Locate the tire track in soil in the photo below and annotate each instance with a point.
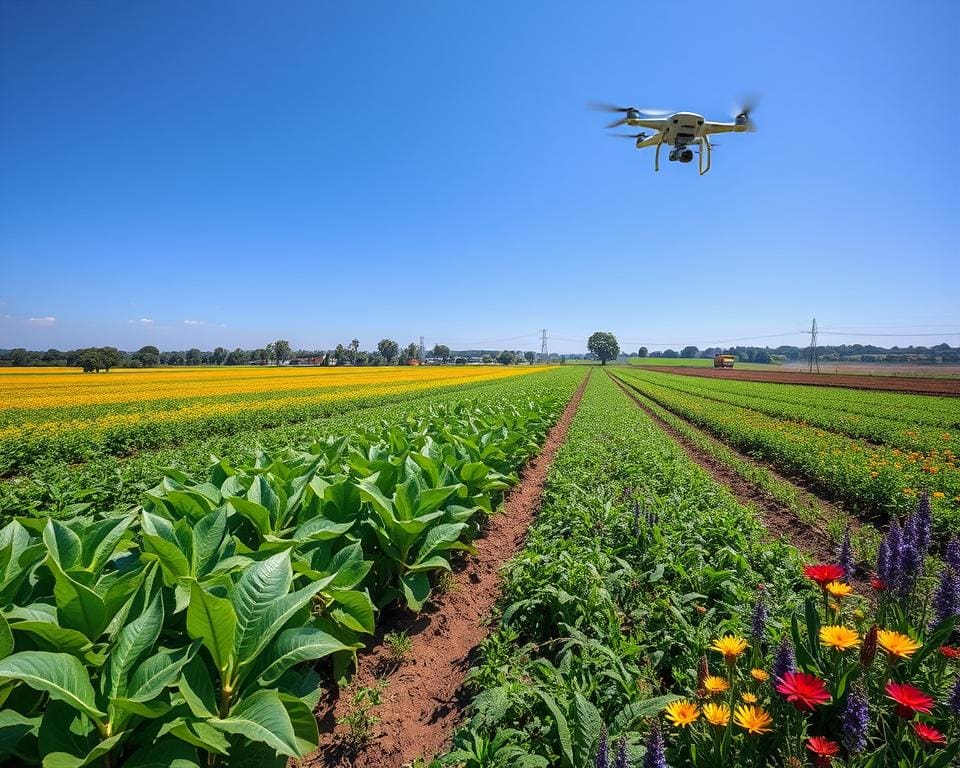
(778, 519)
(423, 701)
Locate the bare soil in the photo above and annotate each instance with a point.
(423, 701)
(911, 384)
(778, 519)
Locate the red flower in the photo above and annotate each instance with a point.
(910, 699)
(805, 691)
(824, 749)
(929, 735)
(878, 584)
(950, 652)
(823, 574)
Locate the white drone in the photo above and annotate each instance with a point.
(680, 130)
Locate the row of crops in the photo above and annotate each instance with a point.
(69, 417)
(108, 482)
(189, 632)
(910, 422)
(874, 479)
(650, 621)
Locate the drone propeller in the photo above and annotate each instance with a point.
(640, 135)
(742, 112)
(629, 113)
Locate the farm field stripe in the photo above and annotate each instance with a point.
(421, 704)
(950, 387)
(777, 517)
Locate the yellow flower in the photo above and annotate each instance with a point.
(748, 698)
(681, 713)
(760, 675)
(839, 589)
(714, 684)
(717, 714)
(938, 494)
(730, 646)
(753, 719)
(840, 638)
(896, 643)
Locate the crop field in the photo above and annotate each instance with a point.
(695, 362)
(246, 567)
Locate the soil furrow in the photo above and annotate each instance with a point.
(423, 701)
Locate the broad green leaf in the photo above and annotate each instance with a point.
(101, 539)
(353, 609)
(261, 716)
(55, 637)
(440, 537)
(293, 646)
(197, 689)
(563, 729)
(416, 590)
(212, 620)
(256, 513)
(260, 586)
(168, 752)
(79, 607)
(62, 544)
(13, 727)
(321, 529)
(159, 671)
(135, 639)
(208, 536)
(189, 504)
(60, 675)
(6, 638)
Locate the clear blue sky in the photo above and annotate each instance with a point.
(197, 174)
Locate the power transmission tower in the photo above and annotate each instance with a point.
(814, 356)
(421, 349)
(543, 345)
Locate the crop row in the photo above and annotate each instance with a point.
(636, 561)
(865, 478)
(108, 430)
(895, 425)
(650, 621)
(186, 633)
(118, 482)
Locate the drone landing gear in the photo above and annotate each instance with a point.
(705, 148)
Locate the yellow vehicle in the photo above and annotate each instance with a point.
(724, 361)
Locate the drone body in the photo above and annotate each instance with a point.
(679, 131)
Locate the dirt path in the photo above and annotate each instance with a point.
(909, 384)
(423, 700)
(778, 519)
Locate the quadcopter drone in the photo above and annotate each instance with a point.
(679, 130)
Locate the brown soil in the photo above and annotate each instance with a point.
(423, 701)
(912, 384)
(778, 519)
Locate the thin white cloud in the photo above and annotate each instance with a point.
(42, 322)
(193, 322)
(142, 321)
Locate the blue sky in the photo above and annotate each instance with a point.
(226, 173)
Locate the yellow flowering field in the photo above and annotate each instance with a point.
(61, 414)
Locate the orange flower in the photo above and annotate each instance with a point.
(840, 638)
(897, 644)
(682, 713)
(760, 675)
(716, 714)
(730, 646)
(714, 684)
(838, 589)
(748, 698)
(753, 719)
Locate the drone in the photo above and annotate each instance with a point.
(679, 130)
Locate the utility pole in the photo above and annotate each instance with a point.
(421, 349)
(543, 345)
(814, 356)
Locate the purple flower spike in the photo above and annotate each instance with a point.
(856, 721)
(845, 555)
(603, 750)
(655, 757)
(785, 659)
(622, 761)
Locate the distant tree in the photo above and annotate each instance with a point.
(460, 361)
(603, 346)
(90, 361)
(410, 353)
(375, 358)
(506, 358)
(389, 349)
(262, 355)
(194, 356)
(486, 359)
(442, 351)
(237, 357)
(340, 354)
(148, 357)
(761, 356)
(563, 359)
(281, 350)
(530, 357)
(110, 357)
(20, 357)
(53, 356)
(219, 356)
(642, 352)
(690, 351)
(669, 353)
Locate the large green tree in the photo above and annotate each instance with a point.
(148, 356)
(442, 351)
(281, 350)
(389, 349)
(604, 346)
